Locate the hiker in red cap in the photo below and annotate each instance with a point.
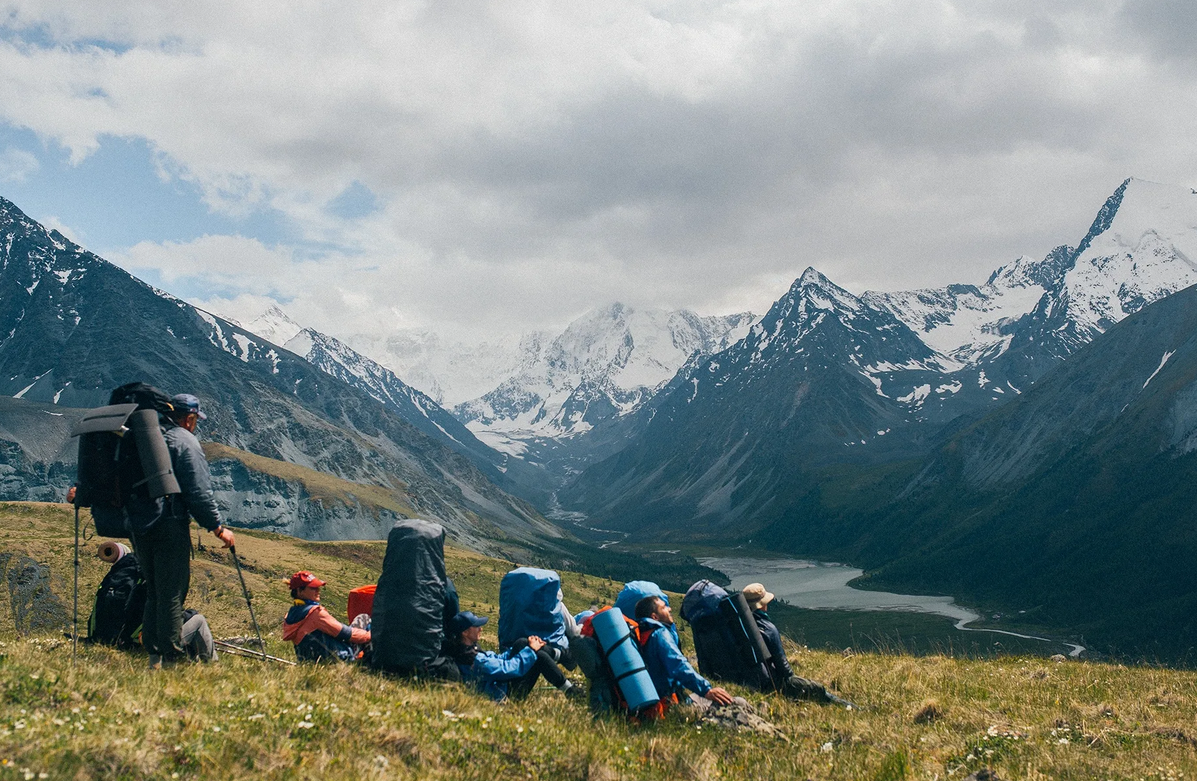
(313, 630)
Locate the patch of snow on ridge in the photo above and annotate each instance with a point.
(243, 342)
(1163, 361)
(916, 396)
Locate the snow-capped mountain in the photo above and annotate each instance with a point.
(448, 371)
(718, 444)
(77, 326)
(274, 326)
(1029, 315)
(606, 364)
(822, 377)
(1141, 247)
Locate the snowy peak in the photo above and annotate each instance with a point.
(1141, 247)
(275, 326)
(605, 364)
(814, 291)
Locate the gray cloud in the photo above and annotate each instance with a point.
(528, 160)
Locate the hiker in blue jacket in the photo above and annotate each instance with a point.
(670, 670)
(492, 673)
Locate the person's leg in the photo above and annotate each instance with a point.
(197, 639)
(145, 545)
(172, 566)
(798, 688)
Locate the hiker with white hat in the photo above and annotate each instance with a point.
(784, 679)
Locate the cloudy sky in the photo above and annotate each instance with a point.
(487, 167)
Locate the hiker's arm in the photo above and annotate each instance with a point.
(191, 470)
(677, 666)
(719, 695)
(772, 637)
(323, 621)
(497, 667)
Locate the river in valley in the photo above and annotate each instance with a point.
(818, 585)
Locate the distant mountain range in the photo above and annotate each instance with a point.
(1028, 440)
(74, 326)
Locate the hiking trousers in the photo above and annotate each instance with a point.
(545, 667)
(164, 551)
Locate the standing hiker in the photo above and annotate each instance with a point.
(784, 679)
(671, 672)
(161, 533)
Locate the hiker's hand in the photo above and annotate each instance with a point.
(225, 535)
(71, 495)
(719, 695)
(535, 643)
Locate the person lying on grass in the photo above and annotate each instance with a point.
(316, 634)
(493, 673)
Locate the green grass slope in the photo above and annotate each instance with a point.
(931, 717)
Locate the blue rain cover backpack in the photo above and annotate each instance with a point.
(529, 600)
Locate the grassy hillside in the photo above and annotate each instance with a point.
(931, 717)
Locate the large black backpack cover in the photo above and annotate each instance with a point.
(725, 638)
(407, 627)
(113, 467)
(120, 603)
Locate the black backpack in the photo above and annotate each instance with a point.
(110, 469)
(120, 602)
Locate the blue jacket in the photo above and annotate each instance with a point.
(196, 500)
(491, 672)
(670, 670)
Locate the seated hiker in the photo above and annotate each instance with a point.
(313, 630)
(784, 679)
(671, 672)
(495, 674)
(530, 604)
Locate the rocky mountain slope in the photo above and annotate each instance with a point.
(1078, 497)
(76, 326)
(722, 451)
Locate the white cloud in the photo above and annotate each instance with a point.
(531, 158)
(16, 165)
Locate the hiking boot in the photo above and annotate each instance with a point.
(833, 700)
(155, 662)
(575, 692)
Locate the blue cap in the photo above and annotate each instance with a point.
(464, 620)
(185, 401)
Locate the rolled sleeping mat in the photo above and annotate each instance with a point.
(158, 474)
(750, 627)
(623, 656)
(112, 552)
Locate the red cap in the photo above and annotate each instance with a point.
(305, 579)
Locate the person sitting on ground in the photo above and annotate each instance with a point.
(783, 677)
(494, 674)
(313, 630)
(671, 672)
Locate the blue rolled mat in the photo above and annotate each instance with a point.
(623, 655)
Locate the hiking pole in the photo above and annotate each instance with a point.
(75, 611)
(245, 591)
(237, 650)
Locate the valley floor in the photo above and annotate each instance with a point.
(931, 717)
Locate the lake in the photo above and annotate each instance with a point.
(820, 585)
